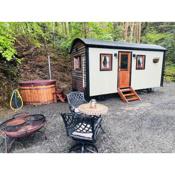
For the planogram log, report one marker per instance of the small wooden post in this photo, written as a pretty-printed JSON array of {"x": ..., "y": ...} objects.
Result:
[{"x": 50, "y": 74}]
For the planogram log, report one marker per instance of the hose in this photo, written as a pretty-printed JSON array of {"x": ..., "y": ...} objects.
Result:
[{"x": 16, "y": 102}]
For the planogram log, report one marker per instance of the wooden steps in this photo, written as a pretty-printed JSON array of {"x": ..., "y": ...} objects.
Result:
[{"x": 128, "y": 94}]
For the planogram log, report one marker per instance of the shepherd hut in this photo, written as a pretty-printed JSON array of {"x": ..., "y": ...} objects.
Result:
[{"x": 108, "y": 67}]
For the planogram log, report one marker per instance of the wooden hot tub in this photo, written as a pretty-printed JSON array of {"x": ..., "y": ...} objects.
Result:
[{"x": 38, "y": 92}]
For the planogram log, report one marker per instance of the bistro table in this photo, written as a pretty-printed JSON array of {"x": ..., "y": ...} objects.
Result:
[{"x": 98, "y": 110}]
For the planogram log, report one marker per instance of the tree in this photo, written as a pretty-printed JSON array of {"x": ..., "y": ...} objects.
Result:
[
  {"x": 132, "y": 31},
  {"x": 7, "y": 49},
  {"x": 161, "y": 34}
]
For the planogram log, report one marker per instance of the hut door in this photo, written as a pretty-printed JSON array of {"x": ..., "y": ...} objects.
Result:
[{"x": 124, "y": 69}]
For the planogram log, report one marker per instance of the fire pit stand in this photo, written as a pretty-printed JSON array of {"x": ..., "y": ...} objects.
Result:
[
  {"x": 20, "y": 126},
  {"x": 8, "y": 142}
]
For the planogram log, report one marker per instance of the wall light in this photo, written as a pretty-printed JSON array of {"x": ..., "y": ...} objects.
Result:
[
  {"x": 115, "y": 55},
  {"x": 134, "y": 55}
]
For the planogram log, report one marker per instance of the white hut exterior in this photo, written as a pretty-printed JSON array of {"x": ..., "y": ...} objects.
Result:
[{"x": 107, "y": 67}]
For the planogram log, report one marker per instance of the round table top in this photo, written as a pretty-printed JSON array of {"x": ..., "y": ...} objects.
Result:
[{"x": 98, "y": 110}]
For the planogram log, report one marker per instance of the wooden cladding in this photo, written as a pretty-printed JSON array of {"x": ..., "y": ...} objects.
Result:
[
  {"x": 78, "y": 74},
  {"x": 77, "y": 84}
]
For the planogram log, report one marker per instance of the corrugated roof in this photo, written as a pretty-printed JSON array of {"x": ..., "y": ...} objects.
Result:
[{"x": 118, "y": 44}]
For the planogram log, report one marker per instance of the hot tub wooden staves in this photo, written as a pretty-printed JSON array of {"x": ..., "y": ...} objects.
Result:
[{"x": 38, "y": 92}]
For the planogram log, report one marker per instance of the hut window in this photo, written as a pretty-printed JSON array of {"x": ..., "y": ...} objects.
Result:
[
  {"x": 140, "y": 62},
  {"x": 77, "y": 63},
  {"x": 105, "y": 62}
]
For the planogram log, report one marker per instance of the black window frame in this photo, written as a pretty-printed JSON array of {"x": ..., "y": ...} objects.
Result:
[{"x": 110, "y": 61}]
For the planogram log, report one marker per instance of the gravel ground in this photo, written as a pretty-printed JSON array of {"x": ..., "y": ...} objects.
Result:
[{"x": 138, "y": 127}]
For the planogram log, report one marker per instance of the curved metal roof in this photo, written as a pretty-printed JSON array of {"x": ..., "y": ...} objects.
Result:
[{"x": 118, "y": 44}]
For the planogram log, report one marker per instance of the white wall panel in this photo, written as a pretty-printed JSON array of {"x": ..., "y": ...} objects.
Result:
[
  {"x": 105, "y": 82},
  {"x": 101, "y": 82},
  {"x": 150, "y": 77}
]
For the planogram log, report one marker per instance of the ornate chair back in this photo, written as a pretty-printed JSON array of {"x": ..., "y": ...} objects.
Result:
[
  {"x": 80, "y": 125},
  {"x": 75, "y": 99}
]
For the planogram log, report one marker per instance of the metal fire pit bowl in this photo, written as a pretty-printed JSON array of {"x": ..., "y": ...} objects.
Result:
[
  {"x": 14, "y": 124},
  {"x": 19, "y": 126}
]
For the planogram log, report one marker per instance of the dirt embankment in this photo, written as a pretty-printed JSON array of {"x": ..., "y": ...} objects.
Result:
[
  {"x": 34, "y": 66},
  {"x": 37, "y": 68},
  {"x": 35, "y": 63}
]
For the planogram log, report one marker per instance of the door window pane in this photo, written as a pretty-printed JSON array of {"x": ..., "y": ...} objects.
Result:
[{"x": 124, "y": 61}]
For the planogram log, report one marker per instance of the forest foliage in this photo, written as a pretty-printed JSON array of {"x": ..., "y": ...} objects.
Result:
[{"x": 60, "y": 35}]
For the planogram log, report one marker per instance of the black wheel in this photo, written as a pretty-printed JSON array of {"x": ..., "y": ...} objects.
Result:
[
  {"x": 101, "y": 98},
  {"x": 149, "y": 90}
]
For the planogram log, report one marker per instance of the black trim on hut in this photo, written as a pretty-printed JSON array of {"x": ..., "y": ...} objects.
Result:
[
  {"x": 87, "y": 88},
  {"x": 117, "y": 45},
  {"x": 163, "y": 70}
]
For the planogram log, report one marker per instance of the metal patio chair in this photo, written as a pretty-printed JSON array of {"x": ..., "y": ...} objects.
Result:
[
  {"x": 75, "y": 99},
  {"x": 83, "y": 129}
]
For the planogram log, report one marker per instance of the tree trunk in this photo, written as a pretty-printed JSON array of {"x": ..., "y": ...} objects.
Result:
[
  {"x": 131, "y": 31},
  {"x": 125, "y": 34},
  {"x": 70, "y": 27},
  {"x": 114, "y": 29},
  {"x": 139, "y": 32},
  {"x": 85, "y": 29}
]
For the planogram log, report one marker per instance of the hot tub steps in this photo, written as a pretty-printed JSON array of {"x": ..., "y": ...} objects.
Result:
[{"x": 60, "y": 95}]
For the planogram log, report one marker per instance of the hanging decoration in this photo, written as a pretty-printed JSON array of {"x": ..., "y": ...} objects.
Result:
[{"x": 16, "y": 102}]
